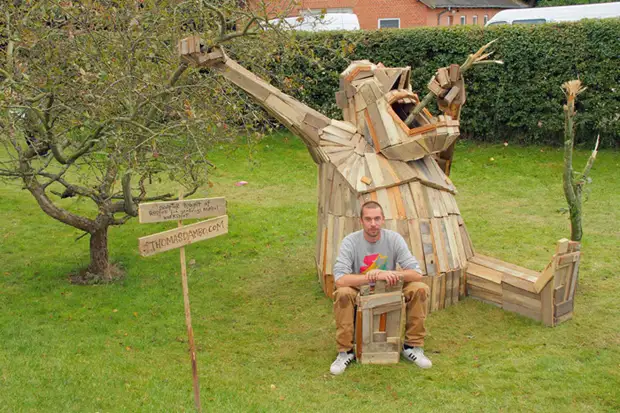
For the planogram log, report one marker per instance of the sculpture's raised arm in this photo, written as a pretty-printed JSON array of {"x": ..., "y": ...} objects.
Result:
[{"x": 301, "y": 119}]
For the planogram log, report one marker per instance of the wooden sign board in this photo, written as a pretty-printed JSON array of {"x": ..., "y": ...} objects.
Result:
[
  {"x": 186, "y": 209},
  {"x": 179, "y": 237}
]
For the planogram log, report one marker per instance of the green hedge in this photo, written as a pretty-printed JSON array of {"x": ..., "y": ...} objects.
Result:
[{"x": 520, "y": 101}]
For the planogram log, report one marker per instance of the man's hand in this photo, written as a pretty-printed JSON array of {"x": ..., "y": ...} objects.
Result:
[{"x": 380, "y": 275}]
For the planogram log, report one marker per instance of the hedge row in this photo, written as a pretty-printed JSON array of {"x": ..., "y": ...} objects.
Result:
[{"x": 520, "y": 101}]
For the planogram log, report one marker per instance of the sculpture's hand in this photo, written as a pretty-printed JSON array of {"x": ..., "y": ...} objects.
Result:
[{"x": 192, "y": 52}]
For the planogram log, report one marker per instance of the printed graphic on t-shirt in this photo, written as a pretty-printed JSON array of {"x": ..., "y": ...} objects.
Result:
[{"x": 374, "y": 262}]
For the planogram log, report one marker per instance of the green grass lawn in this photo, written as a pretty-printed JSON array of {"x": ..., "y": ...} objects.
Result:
[{"x": 264, "y": 330}]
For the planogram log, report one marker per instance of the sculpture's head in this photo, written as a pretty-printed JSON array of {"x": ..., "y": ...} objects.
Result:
[{"x": 378, "y": 99}]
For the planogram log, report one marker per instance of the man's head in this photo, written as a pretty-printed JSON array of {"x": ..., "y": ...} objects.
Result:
[{"x": 371, "y": 216}]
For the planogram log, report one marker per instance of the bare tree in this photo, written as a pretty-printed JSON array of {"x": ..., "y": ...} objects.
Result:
[
  {"x": 574, "y": 183},
  {"x": 96, "y": 104}
]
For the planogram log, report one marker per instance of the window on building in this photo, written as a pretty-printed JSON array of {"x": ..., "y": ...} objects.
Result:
[
  {"x": 475, "y": 20},
  {"x": 486, "y": 18},
  {"x": 463, "y": 20},
  {"x": 389, "y": 23}
]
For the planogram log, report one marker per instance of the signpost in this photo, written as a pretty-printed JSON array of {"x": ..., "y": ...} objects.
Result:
[{"x": 178, "y": 238}]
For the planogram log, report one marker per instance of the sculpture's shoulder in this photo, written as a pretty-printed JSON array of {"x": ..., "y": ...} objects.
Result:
[{"x": 368, "y": 172}]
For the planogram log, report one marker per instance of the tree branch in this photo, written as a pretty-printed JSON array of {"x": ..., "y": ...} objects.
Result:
[{"x": 129, "y": 206}]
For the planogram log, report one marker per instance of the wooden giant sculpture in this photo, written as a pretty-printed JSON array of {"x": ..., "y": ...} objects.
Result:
[{"x": 375, "y": 155}]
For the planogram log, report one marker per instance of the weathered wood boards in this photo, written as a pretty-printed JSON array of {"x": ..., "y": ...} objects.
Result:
[
  {"x": 379, "y": 322},
  {"x": 545, "y": 296},
  {"x": 372, "y": 154},
  {"x": 186, "y": 209},
  {"x": 179, "y": 237}
]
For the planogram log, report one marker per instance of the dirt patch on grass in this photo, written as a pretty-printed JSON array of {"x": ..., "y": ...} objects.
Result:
[{"x": 85, "y": 277}]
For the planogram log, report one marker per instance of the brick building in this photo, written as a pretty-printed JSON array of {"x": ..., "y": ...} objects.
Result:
[{"x": 373, "y": 14}]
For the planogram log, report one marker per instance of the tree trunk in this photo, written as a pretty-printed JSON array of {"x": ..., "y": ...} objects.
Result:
[{"x": 99, "y": 261}]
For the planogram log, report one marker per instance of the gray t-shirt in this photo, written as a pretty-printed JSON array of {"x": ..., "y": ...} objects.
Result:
[{"x": 358, "y": 256}]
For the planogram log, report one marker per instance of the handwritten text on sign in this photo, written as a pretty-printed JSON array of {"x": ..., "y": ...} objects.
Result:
[
  {"x": 187, "y": 209},
  {"x": 179, "y": 237}
]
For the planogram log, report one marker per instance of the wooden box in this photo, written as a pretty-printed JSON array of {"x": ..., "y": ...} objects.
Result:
[{"x": 379, "y": 324}]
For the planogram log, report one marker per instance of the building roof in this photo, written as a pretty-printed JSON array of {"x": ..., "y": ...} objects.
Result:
[{"x": 475, "y": 4}]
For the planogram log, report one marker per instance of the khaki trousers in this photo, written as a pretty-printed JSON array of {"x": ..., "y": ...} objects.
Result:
[{"x": 416, "y": 294}]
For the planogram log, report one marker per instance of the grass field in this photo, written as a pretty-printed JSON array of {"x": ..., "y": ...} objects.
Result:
[{"x": 264, "y": 330}]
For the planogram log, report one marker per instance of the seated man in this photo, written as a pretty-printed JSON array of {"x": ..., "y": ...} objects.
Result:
[{"x": 369, "y": 255}]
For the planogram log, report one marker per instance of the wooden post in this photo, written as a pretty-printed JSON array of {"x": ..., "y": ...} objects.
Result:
[{"x": 188, "y": 322}]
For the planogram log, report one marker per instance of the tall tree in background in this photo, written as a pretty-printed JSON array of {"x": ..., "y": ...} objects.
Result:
[{"x": 95, "y": 104}]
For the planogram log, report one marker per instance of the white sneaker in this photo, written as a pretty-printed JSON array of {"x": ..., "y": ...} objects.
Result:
[
  {"x": 341, "y": 363},
  {"x": 416, "y": 355}
]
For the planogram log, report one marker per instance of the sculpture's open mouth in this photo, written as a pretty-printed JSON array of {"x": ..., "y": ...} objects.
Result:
[{"x": 402, "y": 107}]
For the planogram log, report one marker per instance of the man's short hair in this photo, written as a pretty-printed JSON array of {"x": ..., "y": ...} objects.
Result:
[{"x": 370, "y": 204}]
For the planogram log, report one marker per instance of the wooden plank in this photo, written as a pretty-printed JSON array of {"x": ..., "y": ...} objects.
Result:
[
  {"x": 483, "y": 295},
  {"x": 372, "y": 301},
  {"x": 185, "y": 209},
  {"x": 248, "y": 81},
  {"x": 443, "y": 77},
  {"x": 520, "y": 299},
  {"x": 348, "y": 127},
  {"x": 366, "y": 327},
  {"x": 442, "y": 291},
  {"x": 568, "y": 259},
  {"x": 451, "y": 247},
  {"x": 415, "y": 242},
  {"x": 456, "y": 234},
  {"x": 375, "y": 170},
  {"x": 452, "y": 94},
  {"x": 316, "y": 120},
  {"x": 283, "y": 111},
  {"x": 179, "y": 237},
  {"x": 379, "y": 337},
  {"x": 455, "y": 73},
  {"x": 485, "y": 273},
  {"x": 564, "y": 308},
  {"x": 430, "y": 256},
  {"x": 435, "y": 291},
  {"x": 358, "y": 333},
  {"x": 439, "y": 246},
  {"x": 420, "y": 199},
  {"x": 448, "y": 295},
  {"x": 514, "y": 270},
  {"x": 545, "y": 276},
  {"x": 562, "y": 246},
  {"x": 484, "y": 284},
  {"x": 524, "y": 311},
  {"x": 380, "y": 358},
  {"x": 397, "y": 200},
  {"x": 378, "y": 126},
  {"x": 408, "y": 202},
  {"x": 574, "y": 278},
  {"x": 392, "y": 322},
  {"x": 547, "y": 308},
  {"x": 456, "y": 285},
  {"x": 329, "y": 248}
]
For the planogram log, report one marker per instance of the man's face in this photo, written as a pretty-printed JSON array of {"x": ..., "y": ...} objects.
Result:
[{"x": 372, "y": 221}]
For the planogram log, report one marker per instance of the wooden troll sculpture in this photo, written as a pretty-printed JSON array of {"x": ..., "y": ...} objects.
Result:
[{"x": 392, "y": 150}]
